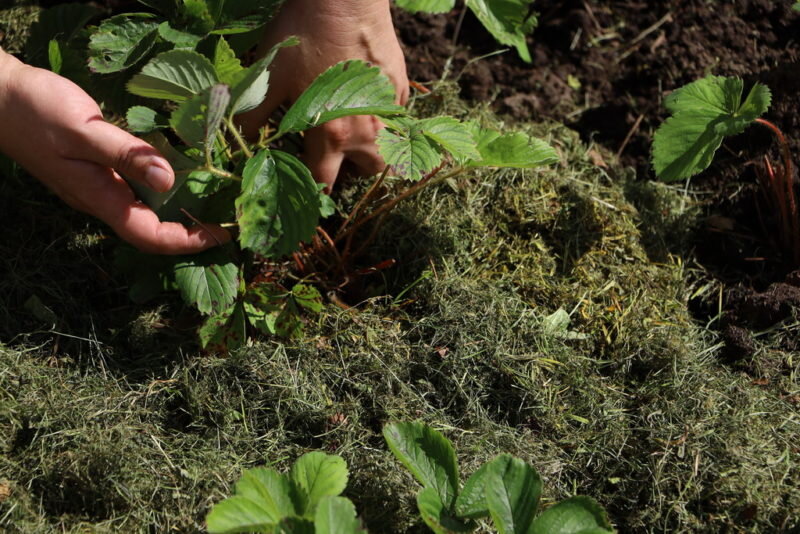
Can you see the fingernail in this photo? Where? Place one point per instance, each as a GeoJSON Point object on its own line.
{"type": "Point", "coordinates": [158, 178]}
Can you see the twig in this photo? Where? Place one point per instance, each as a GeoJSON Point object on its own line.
{"type": "Point", "coordinates": [630, 135]}
{"type": "Point", "coordinates": [201, 225]}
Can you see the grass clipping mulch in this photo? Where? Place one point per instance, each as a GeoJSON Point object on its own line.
{"type": "Point", "coordinates": [117, 424]}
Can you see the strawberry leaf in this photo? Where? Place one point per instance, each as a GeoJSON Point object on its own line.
{"type": "Point", "coordinates": [515, 150]}
{"type": "Point", "coordinates": [316, 475]}
{"type": "Point", "coordinates": [175, 75]}
{"type": "Point", "coordinates": [208, 281]}
{"type": "Point", "coordinates": [704, 113]}
{"type": "Point", "coordinates": [428, 455]}
{"type": "Point", "coordinates": [337, 515]}
{"type": "Point", "coordinates": [509, 21]}
{"type": "Point", "coordinates": [279, 206]}
{"type": "Point", "coordinates": [577, 515]}
{"type": "Point", "coordinates": [345, 89]}
{"type": "Point", "coordinates": [512, 494]}
{"type": "Point", "coordinates": [121, 42]}
{"type": "Point", "coordinates": [405, 147]}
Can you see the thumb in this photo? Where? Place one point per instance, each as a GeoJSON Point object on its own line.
{"type": "Point", "coordinates": [109, 146]}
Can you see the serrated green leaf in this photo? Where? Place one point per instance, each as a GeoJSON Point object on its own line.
{"type": "Point", "coordinates": [195, 16]}
{"type": "Point", "coordinates": [316, 475]}
{"type": "Point", "coordinates": [428, 455]}
{"type": "Point", "coordinates": [175, 75]}
{"type": "Point", "coordinates": [577, 515]}
{"type": "Point", "coordinates": [238, 515]}
{"type": "Point", "coordinates": [121, 42]}
{"type": "Point", "coordinates": [436, 516]}
{"type": "Point", "coordinates": [453, 136]}
{"type": "Point", "coordinates": [471, 502]}
{"type": "Point", "coordinates": [226, 64]}
{"type": "Point", "coordinates": [509, 21]}
{"type": "Point", "coordinates": [307, 297]}
{"type": "Point", "coordinates": [144, 120]}
{"type": "Point", "coordinates": [512, 494]}
{"type": "Point", "coordinates": [426, 6]}
{"type": "Point", "coordinates": [225, 332]}
{"type": "Point", "coordinates": [61, 22]}
{"type": "Point", "coordinates": [279, 205]}
{"type": "Point", "coordinates": [337, 515]}
{"type": "Point", "coordinates": [515, 150]}
{"type": "Point", "coordinates": [262, 500]}
{"type": "Point", "coordinates": [179, 38]}
{"type": "Point", "coordinates": [345, 89]}
{"type": "Point", "coordinates": [704, 113]}
{"type": "Point", "coordinates": [209, 281]}
{"type": "Point", "coordinates": [249, 87]}
{"type": "Point", "coordinates": [405, 147]}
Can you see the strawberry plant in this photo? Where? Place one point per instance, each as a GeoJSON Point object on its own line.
{"type": "Point", "coordinates": [307, 499]}
{"type": "Point", "coordinates": [509, 21]}
{"type": "Point", "coordinates": [704, 113]}
{"type": "Point", "coordinates": [186, 86]}
{"type": "Point", "coordinates": [505, 489]}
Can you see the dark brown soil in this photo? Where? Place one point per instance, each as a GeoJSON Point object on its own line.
{"type": "Point", "coordinates": [603, 67]}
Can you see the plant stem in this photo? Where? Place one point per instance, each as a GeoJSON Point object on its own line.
{"type": "Point", "coordinates": [419, 186]}
{"type": "Point", "coordinates": [363, 200]}
{"type": "Point", "coordinates": [238, 136]}
{"type": "Point", "coordinates": [787, 194]}
{"type": "Point", "coordinates": [222, 174]}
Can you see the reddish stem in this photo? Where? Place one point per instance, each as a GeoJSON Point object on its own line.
{"type": "Point", "coordinates": [785, 192]}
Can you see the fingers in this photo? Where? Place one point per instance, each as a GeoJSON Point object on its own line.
{"type": "Point", "coordinates": [322, 157]}
{"type": "Point", "coordinates": [98, 191]}
{"type": "Point", "coordinates": [109, 146]}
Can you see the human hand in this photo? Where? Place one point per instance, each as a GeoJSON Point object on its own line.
{"type": "Point", "coordinates": [53, 129]}
{"type": "Point", "coordinates": [331, 31]}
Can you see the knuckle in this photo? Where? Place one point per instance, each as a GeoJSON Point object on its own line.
{"type": "Point", "coordinates": [124, 157]}
{"type": "Point", "coordinates": [338, 134]}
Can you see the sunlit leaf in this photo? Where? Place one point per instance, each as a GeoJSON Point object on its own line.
{"type": "Point", "coordinates": [514, 150]}
{"type": "Point", "coordinates": [249, 87]}
{"type": "Point", "coordinates": [316, 475]}
{"type": "Point", "coordinates": [337, 515]}
{"type": "Point", "coordinates": [348, 88]}
{"type": "Point", "coordinates": [428, 455]}
{"type": "Point", "coordinates": [512, 494]}
{"type": "Point", "coordinates": [262, 500]}
{"type": "Point", "coordinates": [471, 502]}
{"type": "Point", "coordinates": [175, 75]}
{"type": "Point", "coordinates": [577, 515]}
{"type": "Point", "coordinates": [704, 113]}
{"type": "Point", "coordinates": [509, 21]}
{"type": "Point", "coordinates": [405, 147]}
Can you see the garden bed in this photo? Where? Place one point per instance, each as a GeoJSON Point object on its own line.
{"type": "Point", "coordinates": [113, 420]}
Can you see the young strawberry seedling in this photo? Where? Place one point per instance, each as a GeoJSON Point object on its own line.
{"type": "Point", "coordinates": [704, 113]}
{"type": "Point", "coordinates": [505, 489]}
